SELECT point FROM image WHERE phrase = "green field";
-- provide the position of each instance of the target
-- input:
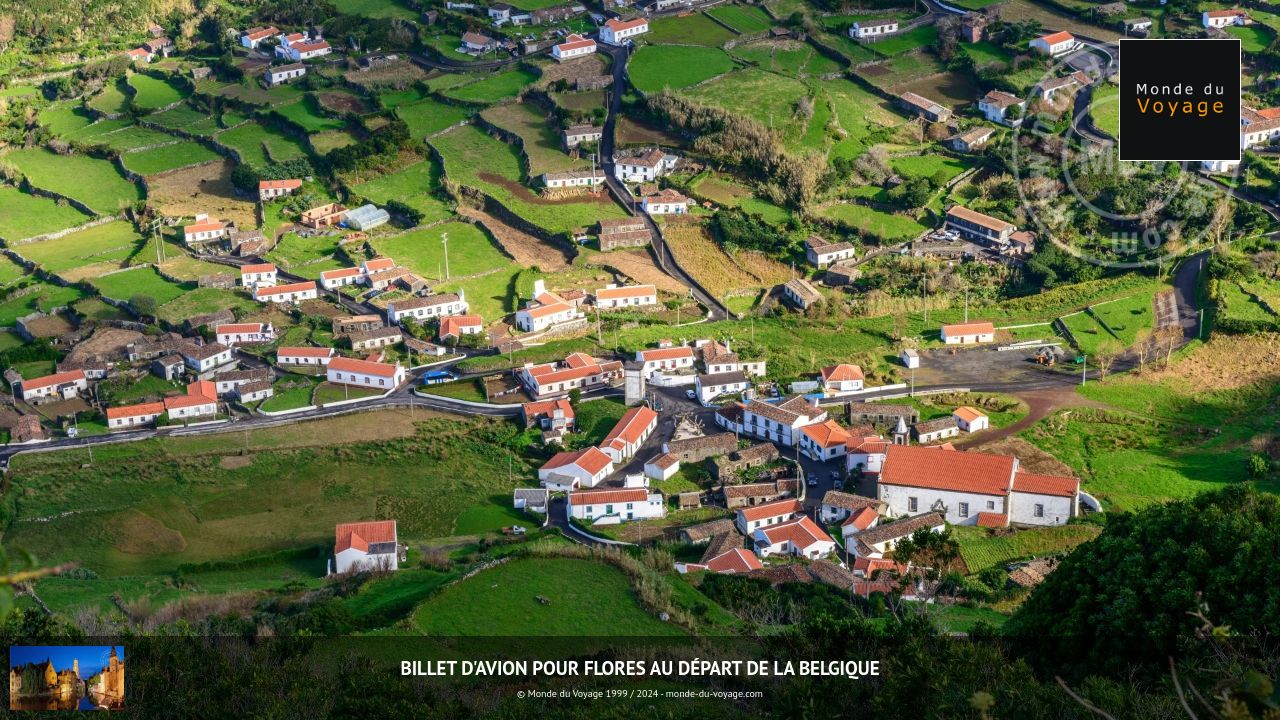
(306, 115)
(143, 280)
(470, 250)
(1127, 318)
(928, 166)
(790, 57)
(392, 99)
(910, 40)
(430, 116)
(135, 519)
(111, 100)
(23, 215)
(1104, 108)
(45, 299)
(415, 185)
(655, 67)
(65, 118)
(878, 224)
(324, 142)
(110, 245)
(96, 183)
(200, 301)
(378, 9)
(745, 19)
(152, 93)
(260, 145)
(689, 30)
(130, 137)
(493, 88)
(186, 118)
(541, 140)
(473, 158)
(724, 191)
(504, 602)
(773, 103)
(1253, 38)
(308, 256)
(168, 157)
(981, 549)
(857, 112)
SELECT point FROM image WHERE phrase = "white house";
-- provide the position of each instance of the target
(366, 546)
(365, 373)
(710, 387)
(718, 358)
(254, 391)
(629, 434)
(1055, 44)
(968, 333)
(971, 419)
(934, 430)
(572, 470)
(662, 466)
(313, 356)
(801, 293)
(573, 178)
(821, 253)
(253, 36)
(614, 297)
(644, 168)
(303, 48)
(780, 422)
(272, 189)
(841, 378)
(1224, 18)
(545, 310)
(201, 400)
(665, 202)
(881, 538)
(1220, 166)
(206, 230)
(239, 333)
(800, 537)
(838, 506)
(499, 13)
(421, 308)
(579, 371)
(278, 74)
(865, 453)
(203, 358)
(63, 385)
(872, 29)
(824, 441)
(1257, 127)
(749, 519)
(456, 326)
(574, 46)
(576, 135)
(910, 358)
(127, 416)
(619, 32)
(606, 506)
(291, 293)
(668, 358)
(968, 488)
(995, 106)
(334, 279)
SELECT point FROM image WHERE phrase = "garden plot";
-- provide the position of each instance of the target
(471, 252)
(722, 274)
(24, 216)
(84, 253)
(493, 88)
(746, 19)
(416, 185)
(187, 119)
(167, 157)
(672, 67)
(540, 139)
(430, 116)
(94, 182)
(726, 192)
(259, 145)
(474, 159)
(202, 189)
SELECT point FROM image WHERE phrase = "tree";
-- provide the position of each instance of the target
(143, 304)
(929, 556)
(1123, 601)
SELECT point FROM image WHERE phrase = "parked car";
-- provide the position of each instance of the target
(813, 481)
(691, 394)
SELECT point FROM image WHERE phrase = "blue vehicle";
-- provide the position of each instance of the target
(435, 377)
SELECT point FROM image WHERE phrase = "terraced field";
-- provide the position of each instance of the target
(96, 183)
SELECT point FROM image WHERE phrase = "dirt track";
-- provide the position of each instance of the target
(527, 250)
(1041, 404)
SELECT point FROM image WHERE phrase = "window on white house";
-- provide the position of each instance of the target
(991, 504)
(911, 504)
(1039, 512)
(964, 510)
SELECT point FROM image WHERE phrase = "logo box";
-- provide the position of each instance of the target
(1161, 77)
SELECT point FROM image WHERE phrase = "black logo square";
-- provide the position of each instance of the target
(1180, 100)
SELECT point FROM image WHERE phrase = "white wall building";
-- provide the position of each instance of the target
(572, 470)
(366, 546)
(614, 297)
(607, 506)
(364, 373)
(620, 32)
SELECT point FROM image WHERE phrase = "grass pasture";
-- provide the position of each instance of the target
(493, 88)
(186, 118)
(46, 298)
(695, 29)
(746, 19)
(377, 9)
(131, 137)
(259, 145)
(415, 185)
(429, 116)
(23, 215)
(138, 281)
(168, 157)
(96, 183)
(774, 100)
(470, 250)
(655, 67)
(307, 256)
(887, 227)
(982, 549)
(504, 602)
(1104, 108)
(1253, 38)
(540, 139)
(307, 115)
(79, 254)
(726, 192)
(150, 93)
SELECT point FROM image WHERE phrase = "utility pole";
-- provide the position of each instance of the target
(1084, 369)
(444, 240)
(966, 305)
(1200, 326)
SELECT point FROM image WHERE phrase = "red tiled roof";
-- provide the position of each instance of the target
(626, 291)
(978, 218)
(258, 268)
(545, 407)
(869, 566)
(973, 328)
(259, 33)
(801, 532)
(124, 411)
(203, 227)
(1026, 482)
(364, 367)
(575, 42)
(453, 324)
(309, 47)
(279, 184)
(239, 328)
(773, 509)
(928, 467)
(632, 425)
(992, 520)
(601, 497)
(593, 460)
(1059, 37)
(285, 289)
(304, 352)
(617, 25)
(341, 273)
(1226, 13)
(54, 379)
(841, 373)
(734, 561)
(672, 353)
(379, 263)
(360, 535)
(826, 434)
(552, 309)
(968, 414)
(861, 519)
